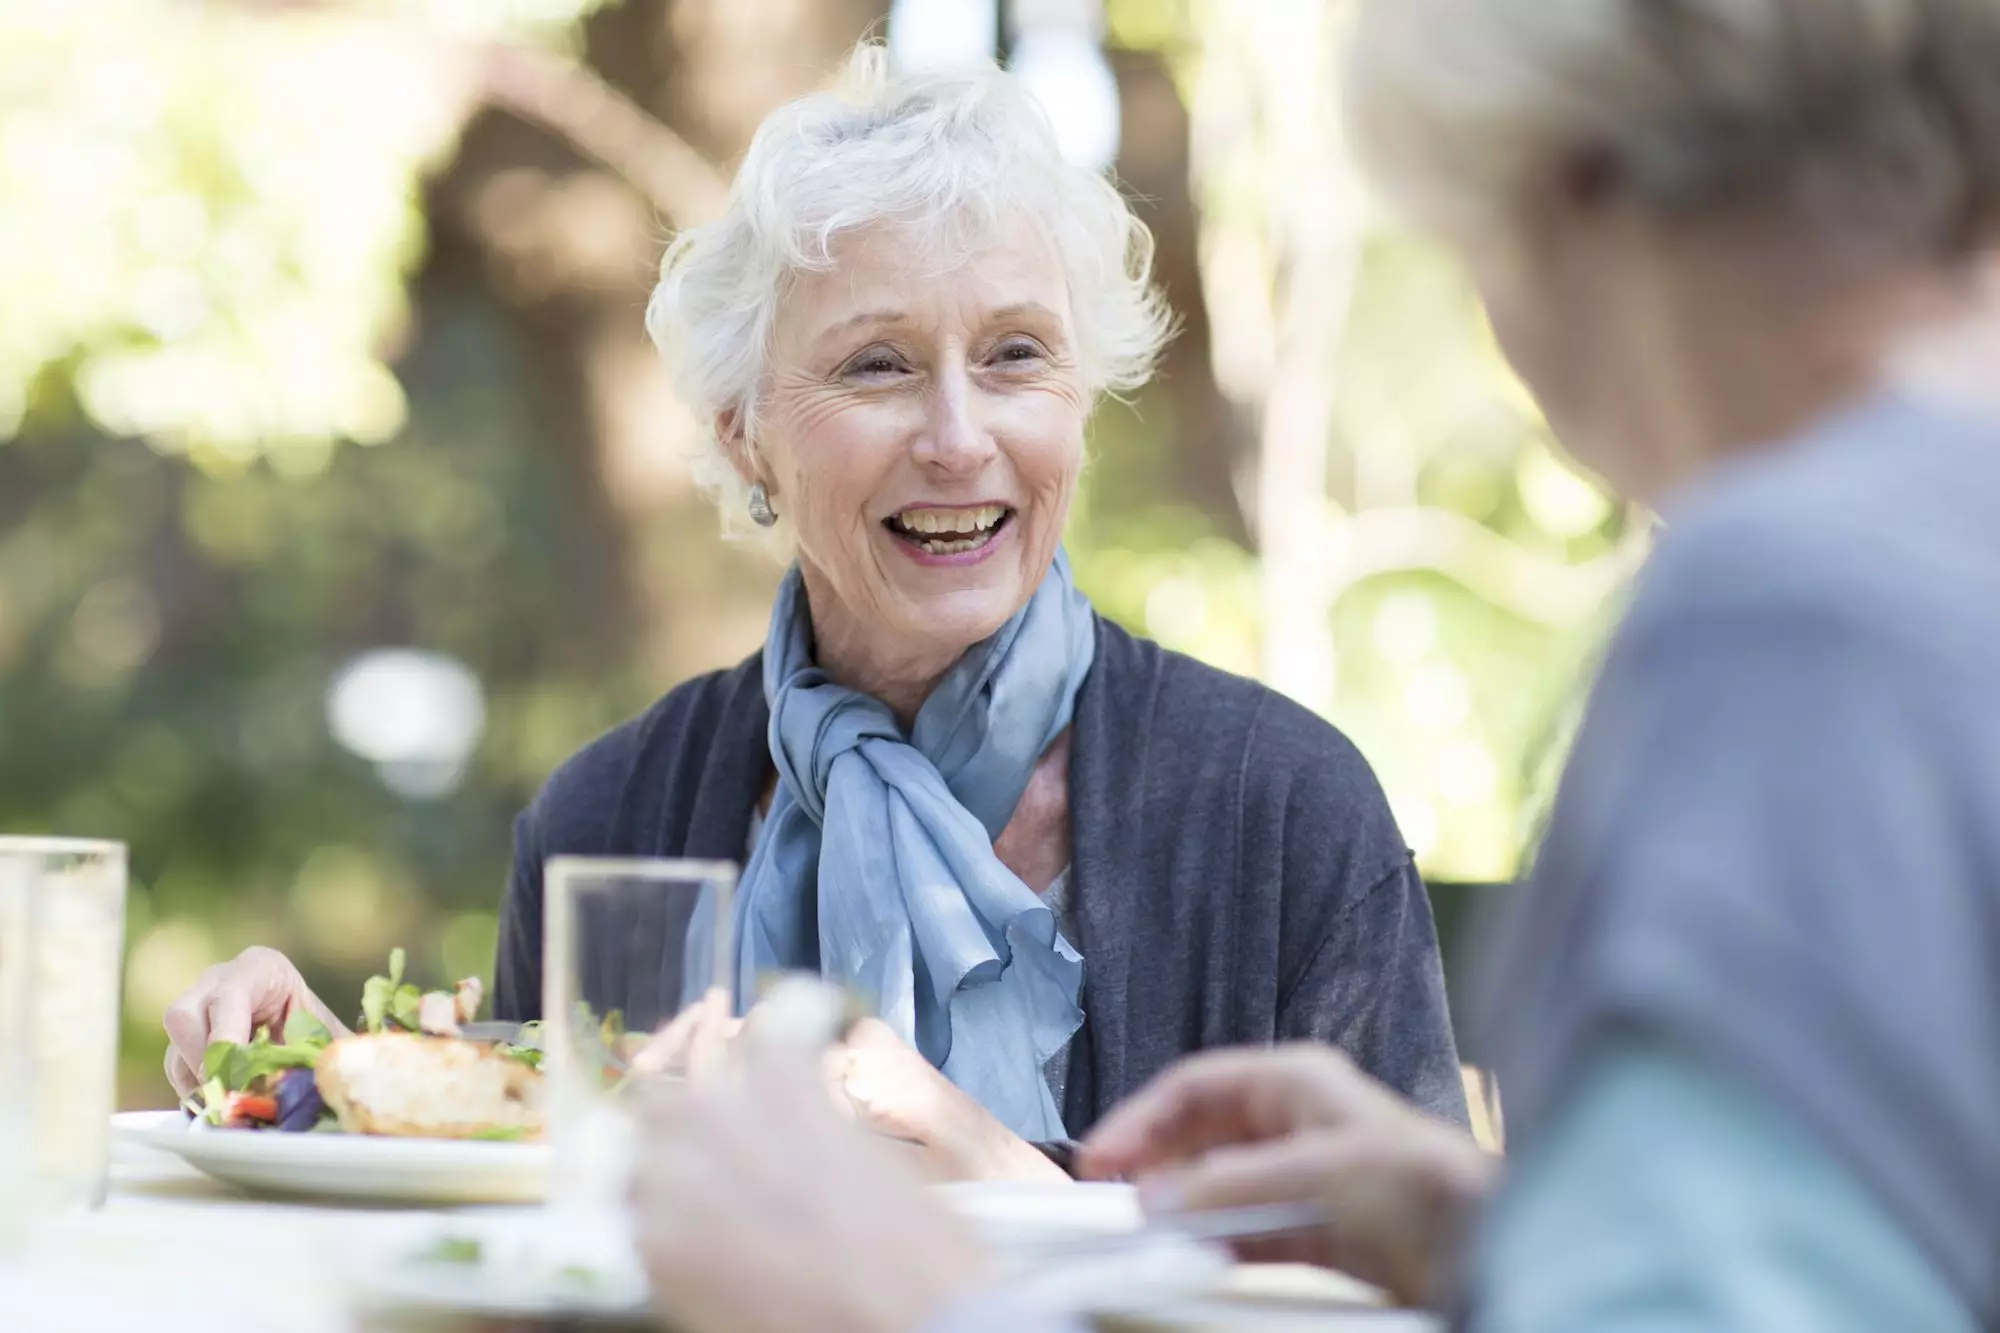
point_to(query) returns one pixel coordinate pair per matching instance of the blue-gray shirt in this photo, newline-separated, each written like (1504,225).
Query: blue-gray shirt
(1667,1197)
(1777,845)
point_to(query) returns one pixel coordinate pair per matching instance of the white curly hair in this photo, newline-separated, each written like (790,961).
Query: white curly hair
(1876,121)
(952,160)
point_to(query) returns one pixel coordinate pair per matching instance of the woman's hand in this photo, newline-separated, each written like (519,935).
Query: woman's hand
(881,1079)
(695,1043)
(760,1210)
(896,1092)
(1296,1124)
(229,1002)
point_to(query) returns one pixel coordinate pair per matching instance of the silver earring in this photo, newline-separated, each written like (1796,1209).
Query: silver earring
(761,512)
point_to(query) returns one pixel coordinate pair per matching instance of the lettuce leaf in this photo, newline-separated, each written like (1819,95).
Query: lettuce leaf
(378,993)
(302,1029)
(454,1250)
(213,1094)
(375,993)
(404,1007)
(388,1003)
(245,1066)
(502,1134)
(528,1048)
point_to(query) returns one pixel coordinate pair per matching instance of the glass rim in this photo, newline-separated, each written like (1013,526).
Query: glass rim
(32,845)
(635,867)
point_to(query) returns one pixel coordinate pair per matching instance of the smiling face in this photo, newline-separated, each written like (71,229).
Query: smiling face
(922,432)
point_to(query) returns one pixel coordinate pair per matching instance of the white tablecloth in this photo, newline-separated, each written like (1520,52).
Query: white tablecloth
(172,1252)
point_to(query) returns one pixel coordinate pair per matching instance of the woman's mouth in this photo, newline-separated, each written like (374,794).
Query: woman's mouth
(941,532)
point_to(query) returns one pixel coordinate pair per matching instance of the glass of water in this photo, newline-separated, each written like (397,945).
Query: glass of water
(629,947)
(62,926)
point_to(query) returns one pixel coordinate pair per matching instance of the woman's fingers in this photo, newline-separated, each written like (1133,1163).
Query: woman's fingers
(1155,1126)
(229,1002)
(899,1094)
(1309,1167)
(666,1051)
(1286,1170)
(695,1042)
(231,1012)
(713,1033)
(187,1022)
(872,1034)
(1397,1192)
(894,1090)
(1213,1099)
(1240,1128)
(760,1212)
(184,1079)
(317,1008)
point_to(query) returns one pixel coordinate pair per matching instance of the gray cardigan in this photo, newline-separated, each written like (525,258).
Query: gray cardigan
(1237,877)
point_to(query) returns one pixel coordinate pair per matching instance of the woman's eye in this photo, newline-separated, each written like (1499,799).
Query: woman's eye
(874,364)
(1019,350)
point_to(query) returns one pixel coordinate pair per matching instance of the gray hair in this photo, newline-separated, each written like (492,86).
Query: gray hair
(1878,120)
(951,158)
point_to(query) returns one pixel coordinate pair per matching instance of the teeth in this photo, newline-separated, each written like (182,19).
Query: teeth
(951,531)
(952,520)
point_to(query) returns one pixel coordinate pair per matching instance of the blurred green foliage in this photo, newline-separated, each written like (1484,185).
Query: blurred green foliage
(1459,702)
(214,490)
(232,457)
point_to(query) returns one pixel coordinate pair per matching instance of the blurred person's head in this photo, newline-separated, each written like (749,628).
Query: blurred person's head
(897,330)
(1697,224)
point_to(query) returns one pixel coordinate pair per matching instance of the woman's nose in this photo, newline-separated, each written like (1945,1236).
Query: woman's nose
(955,439)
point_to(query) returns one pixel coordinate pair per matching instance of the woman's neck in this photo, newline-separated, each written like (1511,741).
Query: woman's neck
(860,655)
(1959,362)
(1751,346)
(1781,360)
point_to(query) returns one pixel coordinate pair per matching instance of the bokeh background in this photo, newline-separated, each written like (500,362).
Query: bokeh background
(341,495)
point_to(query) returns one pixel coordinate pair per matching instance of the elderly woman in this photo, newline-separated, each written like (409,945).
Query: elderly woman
(1747,254)
(1059,856)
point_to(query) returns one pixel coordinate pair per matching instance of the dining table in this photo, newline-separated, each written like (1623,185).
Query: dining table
(173,1251)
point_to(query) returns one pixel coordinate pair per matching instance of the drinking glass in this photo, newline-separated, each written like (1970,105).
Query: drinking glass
(629,945)
(62,926)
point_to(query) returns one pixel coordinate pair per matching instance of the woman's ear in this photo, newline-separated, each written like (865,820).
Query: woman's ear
(736,445)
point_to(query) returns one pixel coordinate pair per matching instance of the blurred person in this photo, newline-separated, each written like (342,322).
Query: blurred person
(1748,1005)
(1059,855)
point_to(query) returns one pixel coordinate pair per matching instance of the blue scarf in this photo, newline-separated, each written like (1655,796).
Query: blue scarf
(876,865)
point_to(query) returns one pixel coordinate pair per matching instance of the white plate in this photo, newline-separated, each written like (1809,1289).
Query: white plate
(522,1253)
(347,1166)
(1020,1216)
(531,1265)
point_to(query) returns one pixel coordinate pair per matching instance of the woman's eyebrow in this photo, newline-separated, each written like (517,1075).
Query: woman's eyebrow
(888,317)
(864,319)
(1033,310)
(828,339)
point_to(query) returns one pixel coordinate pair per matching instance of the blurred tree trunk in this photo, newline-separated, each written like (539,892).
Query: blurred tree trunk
(560,198)
(1212,441)
(1282,238)
(1280,247)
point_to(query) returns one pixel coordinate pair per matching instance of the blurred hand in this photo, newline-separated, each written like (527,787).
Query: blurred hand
(760,1210)
(1302,1123)
(695,1043)
(896,1092)
(229,1002)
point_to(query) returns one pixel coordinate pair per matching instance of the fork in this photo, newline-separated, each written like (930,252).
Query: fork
(1211,1225)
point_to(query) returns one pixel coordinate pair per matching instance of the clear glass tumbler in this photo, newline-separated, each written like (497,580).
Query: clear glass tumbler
(62,926)
(629,947)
